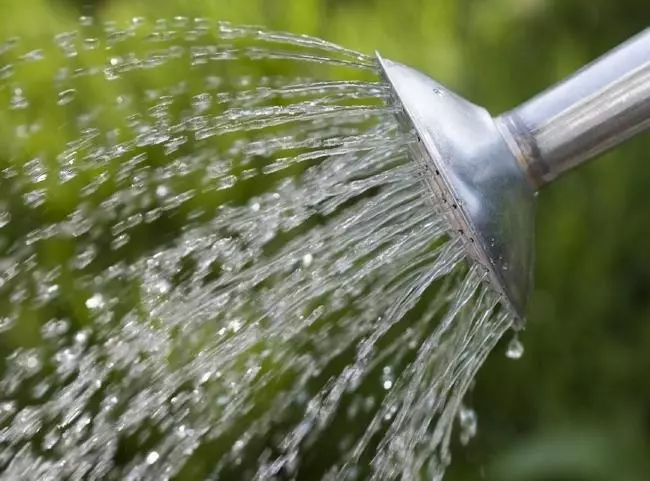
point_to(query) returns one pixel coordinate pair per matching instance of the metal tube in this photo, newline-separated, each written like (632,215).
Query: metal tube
(595,109)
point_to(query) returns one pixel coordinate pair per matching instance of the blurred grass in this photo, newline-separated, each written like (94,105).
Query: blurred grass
(577,406)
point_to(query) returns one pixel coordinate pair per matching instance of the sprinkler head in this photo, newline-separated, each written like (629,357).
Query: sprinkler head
(484,171)
(474,177)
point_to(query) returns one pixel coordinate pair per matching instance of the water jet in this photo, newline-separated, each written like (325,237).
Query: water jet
(218,261)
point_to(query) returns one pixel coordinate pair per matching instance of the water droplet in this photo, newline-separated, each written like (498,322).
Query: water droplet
(96,301)
(7,408)
(110,74)
(6,71)
(152,457)
(66,96)
(33,55)
(227,182)
(162,191)
(55,328)
(18,100)
(5,218)
(90,43)
(235,325)
(35,170)
(85,21)
(35,198)
(468,424)
(201,102)
(29,362)
(390,413)
(387,377)
(50,439)
(307,259)
(515,348)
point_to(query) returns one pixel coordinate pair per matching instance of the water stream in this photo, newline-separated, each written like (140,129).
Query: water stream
(218,262)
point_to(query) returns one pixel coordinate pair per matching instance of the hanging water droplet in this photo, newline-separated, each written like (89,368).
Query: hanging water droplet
(468,424)
(515,348)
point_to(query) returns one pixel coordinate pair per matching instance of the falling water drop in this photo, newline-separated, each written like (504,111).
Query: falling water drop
(18,100)
(468,424)
(162,191)
(6,71)
(152,457)
(515,348)
(96,301)
(5,217)
(307,259)
(90,43)
(66,96)
(85,21)
(6,323)
(387,377)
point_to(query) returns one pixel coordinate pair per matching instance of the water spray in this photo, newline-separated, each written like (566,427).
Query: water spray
(485,171)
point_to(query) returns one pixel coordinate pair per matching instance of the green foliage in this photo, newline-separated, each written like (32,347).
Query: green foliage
(577,406)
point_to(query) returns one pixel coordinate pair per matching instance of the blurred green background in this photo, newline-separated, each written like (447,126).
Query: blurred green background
(577,405)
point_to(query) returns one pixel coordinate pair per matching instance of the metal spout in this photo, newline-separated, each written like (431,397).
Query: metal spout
(484,171)
(590,112)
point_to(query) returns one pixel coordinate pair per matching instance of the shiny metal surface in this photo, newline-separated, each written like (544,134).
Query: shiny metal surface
(593,110)
(473,173)
(484,171)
